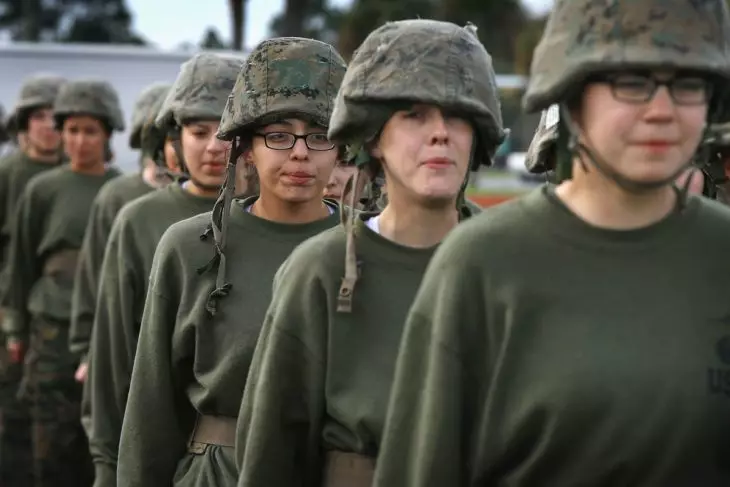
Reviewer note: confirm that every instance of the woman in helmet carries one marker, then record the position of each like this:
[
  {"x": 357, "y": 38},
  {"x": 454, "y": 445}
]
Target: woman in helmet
[
  {"x": 202, "y": 317},
  {"x": 314, "y": 407},
  {"x": 107, "y": 204},
  {"x": 192, "y": 115},
  {"x": 580, "y": 335},
  {"x": 31, "y": 120},
  {"x": 48, "y": 231}
]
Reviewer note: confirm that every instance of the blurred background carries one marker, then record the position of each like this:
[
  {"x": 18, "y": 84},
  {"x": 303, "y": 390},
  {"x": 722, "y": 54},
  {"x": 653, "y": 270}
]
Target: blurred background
[{"x": 133, "y": 43}]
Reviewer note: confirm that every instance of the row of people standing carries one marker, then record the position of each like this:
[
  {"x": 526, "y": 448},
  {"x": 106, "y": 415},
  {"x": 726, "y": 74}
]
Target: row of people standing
[{"x": 575, "y": 336}]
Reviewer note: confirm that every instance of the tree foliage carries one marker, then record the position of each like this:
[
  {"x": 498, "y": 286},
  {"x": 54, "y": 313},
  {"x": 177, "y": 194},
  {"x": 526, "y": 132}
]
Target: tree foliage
[{"x": 95, "y": 21}]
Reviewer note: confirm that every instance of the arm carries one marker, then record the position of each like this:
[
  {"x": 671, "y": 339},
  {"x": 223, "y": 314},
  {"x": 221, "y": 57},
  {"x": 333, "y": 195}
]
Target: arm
[
  {"x": 434, "y": 406},
  {"x": 158, "y": 418},
  {"x": 85, "y": 282},
  {"x": 114, "y": 341},
  {"x": 24, "y": 266},
  {"x": 279, "y": 430}
]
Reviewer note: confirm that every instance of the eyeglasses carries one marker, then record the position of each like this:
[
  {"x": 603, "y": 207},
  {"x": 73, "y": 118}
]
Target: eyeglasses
[
  {"x": 636, "y": 89},
  {"x": 286, "y": 140}
]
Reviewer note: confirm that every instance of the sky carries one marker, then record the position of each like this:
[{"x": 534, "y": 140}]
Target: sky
[{"x": 169, "y": 23}]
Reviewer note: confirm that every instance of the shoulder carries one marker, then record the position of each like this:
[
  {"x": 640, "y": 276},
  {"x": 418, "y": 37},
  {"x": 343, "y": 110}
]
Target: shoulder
[
  {"x": 320, "y": 253},
  {"x": 712, "y": 222},
  {"x": 187, "y": 237},
  {"x": 46, "y": 183},
  {"x": 139, "y": 208},
  {"x": 118, "y": 186}
]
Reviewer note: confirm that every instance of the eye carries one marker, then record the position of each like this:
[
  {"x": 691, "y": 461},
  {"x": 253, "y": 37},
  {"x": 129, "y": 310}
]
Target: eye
[
  {"x": 414, "y": 113},
  {"x": 319, "y": 138},
  {"x": 277, "y": 136}
]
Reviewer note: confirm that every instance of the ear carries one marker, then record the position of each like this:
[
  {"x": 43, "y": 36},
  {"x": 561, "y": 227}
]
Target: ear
[
  {"x": 375, "y": 151},
  {"x": 248, "y": 156}
]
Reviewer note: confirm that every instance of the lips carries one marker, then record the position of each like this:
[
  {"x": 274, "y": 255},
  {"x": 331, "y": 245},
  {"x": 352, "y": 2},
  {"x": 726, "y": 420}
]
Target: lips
[
  {"x": 299, "y": 177},
  {"x": 438, "y": 162},
  {"x": 214, "y": 167}
]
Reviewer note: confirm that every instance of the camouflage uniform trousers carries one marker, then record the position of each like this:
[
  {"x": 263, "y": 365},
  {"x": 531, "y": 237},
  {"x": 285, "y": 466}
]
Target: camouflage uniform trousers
[
  {"x": 16, "y": 454},
  {"x": 60, "y": 447}
]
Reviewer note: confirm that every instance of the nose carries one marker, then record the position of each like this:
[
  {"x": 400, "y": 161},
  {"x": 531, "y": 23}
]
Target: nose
[
  {"x": 439, "y": 129},
  {"x": 661, "y": 106},
  {"x": 215, "y": 145},
  {"x": 300, "y": 150}
]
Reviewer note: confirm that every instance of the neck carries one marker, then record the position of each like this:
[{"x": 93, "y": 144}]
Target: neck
[
  {"x": 602, "y": 203},
  {"x": 413, "y": 225},
  {"x": 46, "y": 157},
  {"x": 96, "y": 169},
  {"x": 150, "y": 174},
  {"x": 199, "y": 190},
  {"x": 277, "y": 210}
]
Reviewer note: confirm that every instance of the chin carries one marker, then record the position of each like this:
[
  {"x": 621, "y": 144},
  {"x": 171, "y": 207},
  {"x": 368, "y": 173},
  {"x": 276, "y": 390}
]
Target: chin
[{"x": 300, "y": 195}]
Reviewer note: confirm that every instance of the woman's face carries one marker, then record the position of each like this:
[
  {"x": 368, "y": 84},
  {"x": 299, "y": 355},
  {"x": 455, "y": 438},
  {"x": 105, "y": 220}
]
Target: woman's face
[
  {"x": 204, "y": 153},
  {"x": 295, "y": 173},
  {"x": 336, "y": 184},
  {"x": 425, "y": 153},
  {"x": 42, "y": 135},
  {"x": 84, "y": 140},
  {"x": 644, "y": 138},
  {"x": 170, "y": 156}
]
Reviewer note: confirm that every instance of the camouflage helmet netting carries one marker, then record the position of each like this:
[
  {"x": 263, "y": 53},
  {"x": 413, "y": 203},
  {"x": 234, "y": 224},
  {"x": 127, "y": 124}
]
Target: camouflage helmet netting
[
  {"x": 152, "y": 138},
  {"x": 584, "y": 37},
  {"x": 200, "y": 90},
  {"x": 148, "y": 99},
  {"x": 541, "y": 153},
  {"x": 421, "y": 61},
  {"x": 91, "y": 97},
  {"x": 39, "y": 90},
  {"x": 284, "y": 76}
]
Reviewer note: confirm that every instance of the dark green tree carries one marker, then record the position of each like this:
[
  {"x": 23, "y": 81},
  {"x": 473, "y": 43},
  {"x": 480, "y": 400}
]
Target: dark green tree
[
  {"x": 97, "y": 21},
  {"x": 212, "y": 40}
]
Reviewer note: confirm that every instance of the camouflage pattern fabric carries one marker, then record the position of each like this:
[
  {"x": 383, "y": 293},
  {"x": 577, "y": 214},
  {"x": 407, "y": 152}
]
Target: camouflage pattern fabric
[
  {"x": 149, "y": 99},
  {"x": 200, "y": 90},
  {"x": 152, "y": 139},
  {"x": 89, "y": 97},
  {"x": 284, "y": 76},
  {"x": 16, "y": 447},
  {"x": 60, "y": 448},
  {"x": 37, "y": 91},
  {"x": 583, "y": 37},
  {"x": 540, "y": 156},
  {"x": 421, "y": 61}
]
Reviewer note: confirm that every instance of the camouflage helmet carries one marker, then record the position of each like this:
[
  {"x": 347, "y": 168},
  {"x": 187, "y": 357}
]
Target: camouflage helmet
[
  {"x": 37, "y": 91},
  {"x": 200, "y": 90},
  {"x": 540, "y": 156},
  {"x": 152, "y": 139},
  {"x": 91, "y": 97},
  {"x": 423, "y": 61},
  {"x": 145, "y": 103},
  {"x": 585, "y": 37},
  {"x": 284, "y": 76}
]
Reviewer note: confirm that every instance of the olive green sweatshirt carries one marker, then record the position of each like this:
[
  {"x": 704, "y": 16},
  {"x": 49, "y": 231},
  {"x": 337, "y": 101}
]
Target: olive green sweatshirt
[
  {"x": 121, "y": 297},
  {"x": 189, "y": 362},
  {"x": 543, "y": 351},
  {"x": 15, "y": 173},
  {"x": 51, "y": 216},
  {"x": 320, "y": 379},
  {"x": 111, "y": 198}
]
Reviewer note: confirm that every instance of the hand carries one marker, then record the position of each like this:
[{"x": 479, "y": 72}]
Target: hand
[
  {"x": 81, "y": 372},
  {"x": 16, "y": 350}
]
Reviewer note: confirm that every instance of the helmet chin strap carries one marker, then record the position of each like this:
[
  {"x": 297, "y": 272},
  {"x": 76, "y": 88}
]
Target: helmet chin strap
[{"x": 627, "y": 184}]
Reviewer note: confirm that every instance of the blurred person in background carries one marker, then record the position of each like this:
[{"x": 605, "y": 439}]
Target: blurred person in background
[{"x": 48, "y": 231}]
